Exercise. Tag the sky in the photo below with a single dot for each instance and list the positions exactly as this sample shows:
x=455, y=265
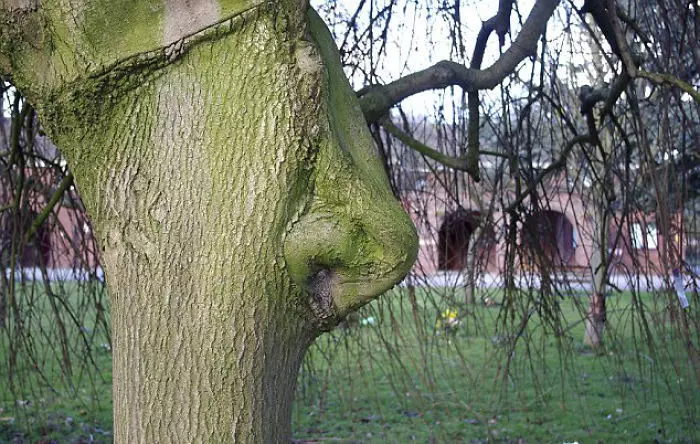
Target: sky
x=416, y=43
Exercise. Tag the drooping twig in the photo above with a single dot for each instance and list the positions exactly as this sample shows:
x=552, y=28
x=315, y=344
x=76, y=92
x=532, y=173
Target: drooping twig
x=458, y=163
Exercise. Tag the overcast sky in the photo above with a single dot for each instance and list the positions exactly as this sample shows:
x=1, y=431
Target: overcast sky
x=415, y=43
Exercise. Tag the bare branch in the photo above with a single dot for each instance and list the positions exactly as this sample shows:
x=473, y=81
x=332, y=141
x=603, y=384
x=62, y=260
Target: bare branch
x=601, y=16
x=668, y=79
x=559, y=163
x=609, y=94
x=379, y=99
x=41, y=217
x=625, y=52
x=458, y=163
x=502, y=25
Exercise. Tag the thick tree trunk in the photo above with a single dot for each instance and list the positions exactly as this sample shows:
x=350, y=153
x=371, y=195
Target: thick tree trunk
x=201, y=357
x=190, y=203
x=241, y=211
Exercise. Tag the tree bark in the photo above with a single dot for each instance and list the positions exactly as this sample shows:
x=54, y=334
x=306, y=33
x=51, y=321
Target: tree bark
x=602, y=188
x=595, y=321
x=472, y=265
x=596, y=316
x=240, y=208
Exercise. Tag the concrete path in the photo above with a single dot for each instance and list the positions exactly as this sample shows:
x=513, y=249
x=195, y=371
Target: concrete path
x=561, y=281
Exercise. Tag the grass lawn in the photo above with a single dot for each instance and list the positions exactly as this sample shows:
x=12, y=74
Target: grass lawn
x=393, y=375
x=62, y=403
x=497, y=379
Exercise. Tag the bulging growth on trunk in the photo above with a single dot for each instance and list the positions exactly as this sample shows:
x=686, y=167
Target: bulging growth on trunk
x=233, y=187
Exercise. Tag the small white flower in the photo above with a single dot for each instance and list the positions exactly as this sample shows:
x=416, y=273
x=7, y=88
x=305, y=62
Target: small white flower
x=368, y=321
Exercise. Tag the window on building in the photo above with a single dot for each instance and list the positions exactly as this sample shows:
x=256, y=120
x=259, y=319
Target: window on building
x=645, y=236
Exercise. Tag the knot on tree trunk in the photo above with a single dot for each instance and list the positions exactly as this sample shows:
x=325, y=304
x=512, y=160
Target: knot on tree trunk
x=320, y=288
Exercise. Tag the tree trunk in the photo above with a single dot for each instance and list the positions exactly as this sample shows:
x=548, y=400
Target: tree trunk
x=472, y=256
x=241, y=211
x=602, y=187
x=595, y=318
x=595, y=321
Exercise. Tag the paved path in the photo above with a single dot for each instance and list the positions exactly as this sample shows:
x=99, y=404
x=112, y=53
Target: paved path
x=568, y=281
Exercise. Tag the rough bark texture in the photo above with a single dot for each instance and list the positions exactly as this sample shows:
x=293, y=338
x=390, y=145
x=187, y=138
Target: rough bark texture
x=240, y=207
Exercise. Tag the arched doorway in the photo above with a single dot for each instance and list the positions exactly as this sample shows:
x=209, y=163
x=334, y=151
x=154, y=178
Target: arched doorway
x=454, y=238
x=548, y=235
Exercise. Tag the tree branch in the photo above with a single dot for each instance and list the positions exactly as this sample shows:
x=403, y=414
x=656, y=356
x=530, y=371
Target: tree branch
x=668, y=79
x=458, y=163
x=41, y=217
x=625, y=52
x=608, y=94
x=502, y=25
x=560, y=162
x=377, y=100
x=601, y=16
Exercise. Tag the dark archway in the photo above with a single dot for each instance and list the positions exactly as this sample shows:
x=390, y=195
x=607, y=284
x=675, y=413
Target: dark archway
x=549, y=235
x=455, y=235
x=37, y=252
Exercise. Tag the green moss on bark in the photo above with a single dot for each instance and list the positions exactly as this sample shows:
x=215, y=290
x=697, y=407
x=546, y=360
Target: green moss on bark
x=354, y=228
x=121, y=28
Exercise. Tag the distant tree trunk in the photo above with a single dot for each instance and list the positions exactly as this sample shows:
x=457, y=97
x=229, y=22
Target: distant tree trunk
x=596, y=315
x=602, y=189
x=595, y=321
x=3, y=308
x=233, y=188
x=472, y=257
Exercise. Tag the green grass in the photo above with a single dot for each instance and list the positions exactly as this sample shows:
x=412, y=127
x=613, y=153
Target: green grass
x=494, y=378
x=61, y=403
x=401, y=380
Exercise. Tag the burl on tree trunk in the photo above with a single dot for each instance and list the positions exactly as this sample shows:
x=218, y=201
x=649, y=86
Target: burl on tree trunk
x=234, y=190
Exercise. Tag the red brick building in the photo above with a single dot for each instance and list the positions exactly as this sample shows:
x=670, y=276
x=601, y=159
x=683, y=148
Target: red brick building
x=557, y=233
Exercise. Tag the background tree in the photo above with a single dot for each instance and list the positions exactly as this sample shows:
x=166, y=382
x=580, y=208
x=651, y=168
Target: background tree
x=53, y=308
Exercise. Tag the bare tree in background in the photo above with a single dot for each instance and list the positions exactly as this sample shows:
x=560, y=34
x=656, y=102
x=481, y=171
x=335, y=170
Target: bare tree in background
x=54, y=320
